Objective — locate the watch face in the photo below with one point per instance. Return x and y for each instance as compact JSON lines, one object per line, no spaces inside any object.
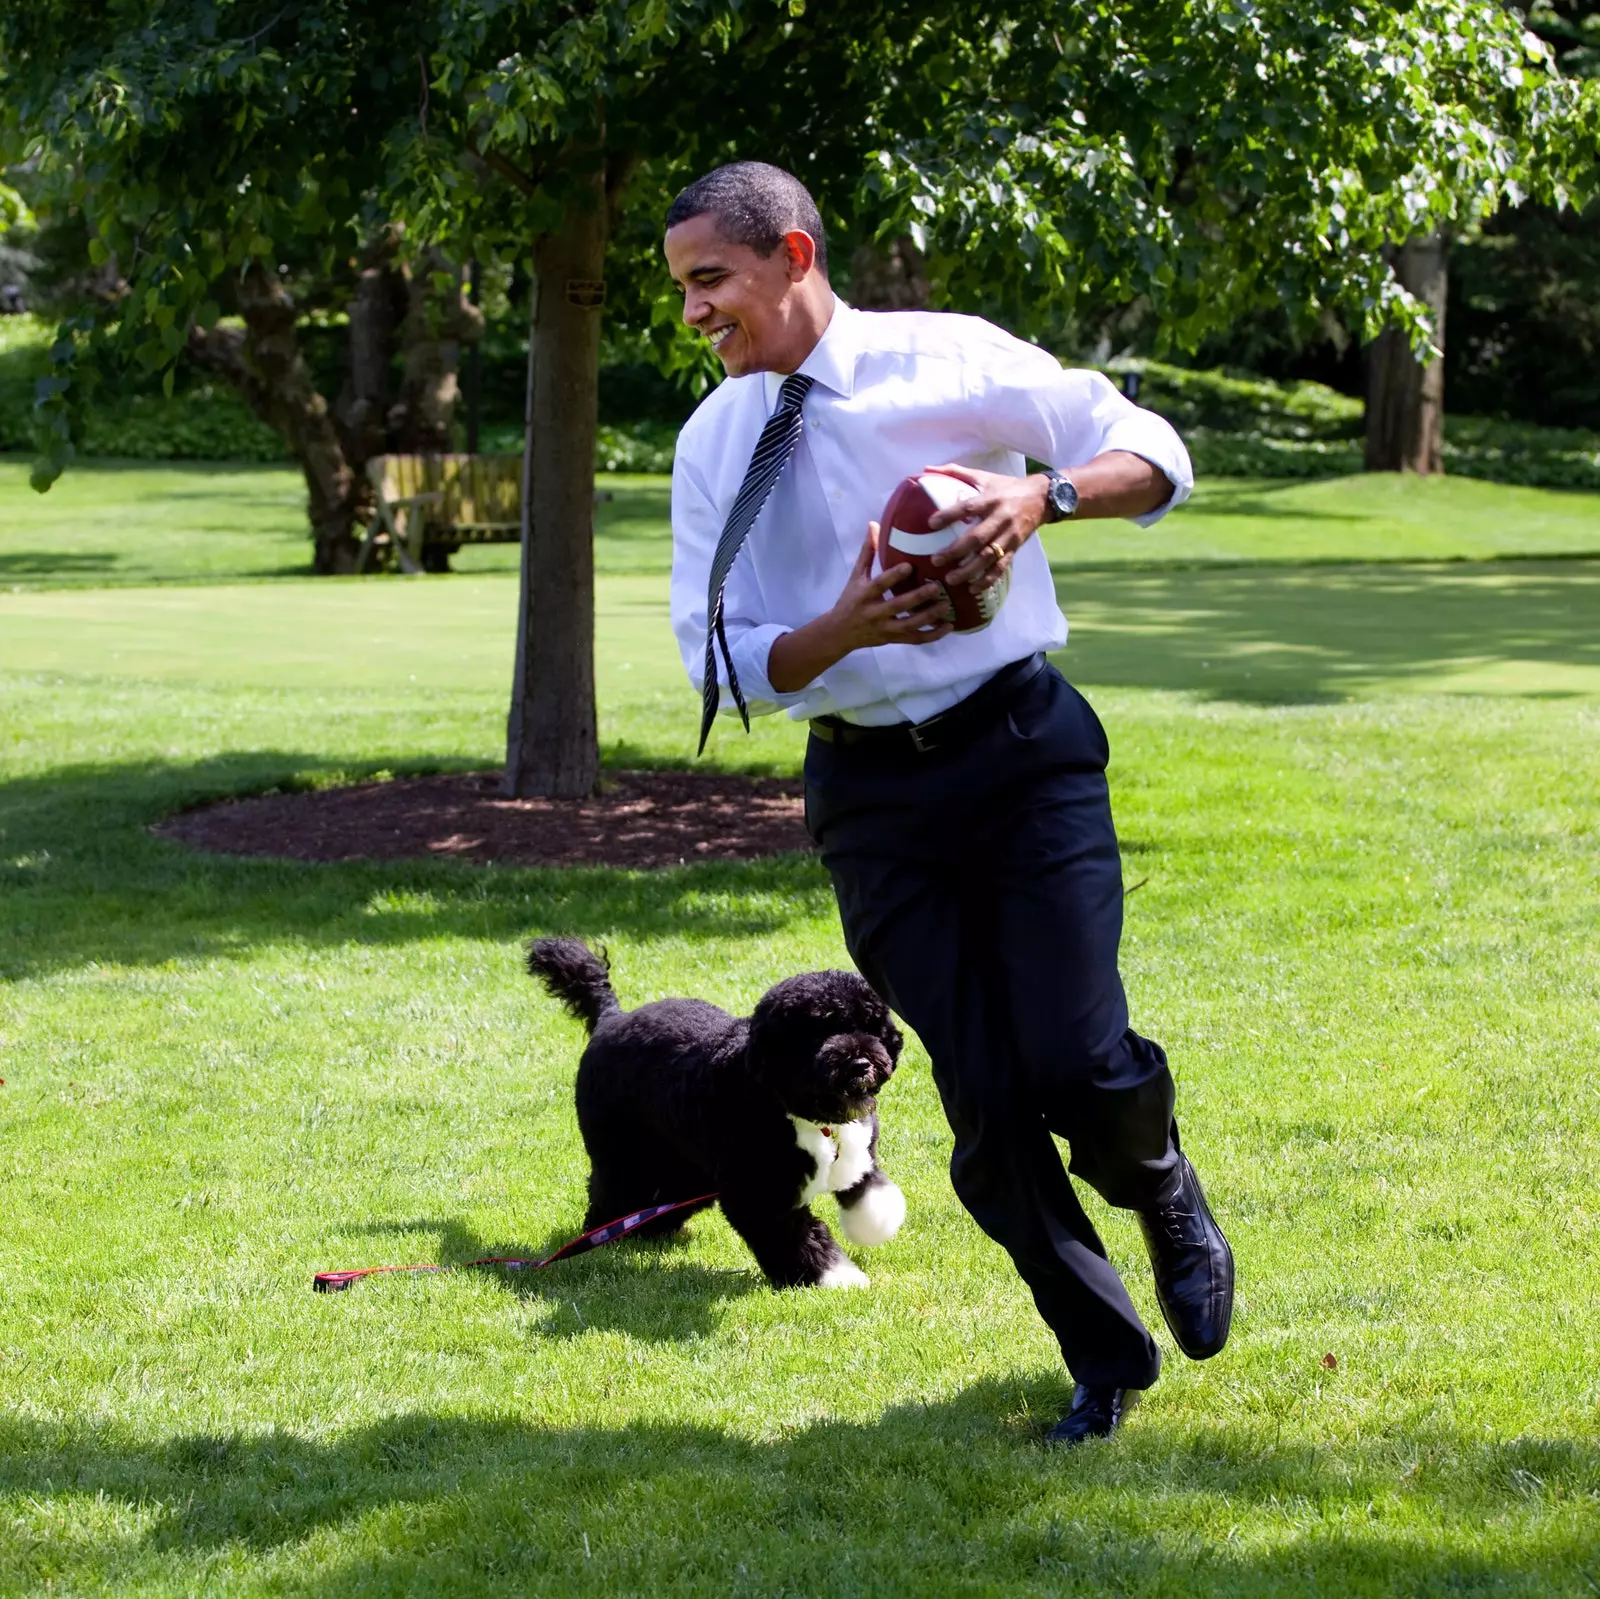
{"x":1063,"y":496}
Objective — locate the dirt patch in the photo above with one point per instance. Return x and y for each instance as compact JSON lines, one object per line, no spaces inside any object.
{"x":639,"y":819}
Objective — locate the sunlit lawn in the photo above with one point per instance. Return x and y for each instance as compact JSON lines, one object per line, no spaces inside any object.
{"x":1364,"y":804}
{"x":105,"y":523}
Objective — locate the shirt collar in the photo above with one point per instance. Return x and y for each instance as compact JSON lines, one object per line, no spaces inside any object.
{"x":832,"y":361}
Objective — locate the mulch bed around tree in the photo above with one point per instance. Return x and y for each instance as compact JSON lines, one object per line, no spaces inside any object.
{"x":639,"y":819}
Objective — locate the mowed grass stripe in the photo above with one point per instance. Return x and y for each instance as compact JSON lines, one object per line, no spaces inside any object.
{"x":118,"y":524}
{"x":1263,"y":635}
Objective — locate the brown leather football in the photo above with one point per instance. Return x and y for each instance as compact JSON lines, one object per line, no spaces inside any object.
{"x":904,"y":536}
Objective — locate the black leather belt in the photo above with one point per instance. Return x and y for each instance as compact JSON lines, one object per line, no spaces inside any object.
{"x":961,"y":723}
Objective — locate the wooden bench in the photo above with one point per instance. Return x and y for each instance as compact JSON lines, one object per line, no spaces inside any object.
{"x":427,"y":506}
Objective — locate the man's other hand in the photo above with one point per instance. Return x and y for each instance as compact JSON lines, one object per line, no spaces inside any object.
{"x":866,"y":614}
{"x":1008,"y":512}
{"x":861,"y":619}
{"x":1010,"y":509}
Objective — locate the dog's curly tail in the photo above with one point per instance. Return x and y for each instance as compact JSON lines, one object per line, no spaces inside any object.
{"x":577,"y":976}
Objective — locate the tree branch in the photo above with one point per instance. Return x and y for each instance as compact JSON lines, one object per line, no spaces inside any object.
{"x":509,"y":170}
{"x":267,"y":28}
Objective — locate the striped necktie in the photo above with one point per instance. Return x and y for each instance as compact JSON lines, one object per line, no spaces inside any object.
{"x":773,"y":449}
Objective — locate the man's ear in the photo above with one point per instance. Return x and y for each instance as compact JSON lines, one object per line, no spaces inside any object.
{"x":800,"y":250}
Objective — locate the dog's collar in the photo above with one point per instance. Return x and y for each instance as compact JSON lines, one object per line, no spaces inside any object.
{"x":840,"y":1153}
{"x":829,"y":1130}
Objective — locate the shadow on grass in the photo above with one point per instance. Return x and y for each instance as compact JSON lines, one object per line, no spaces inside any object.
{"x":1260,"y":499}
{"x":1284,"y":635}
{"x":49,"y":569}
{"x":16,"y":564}
{"x":640,"y":1287}
{"x":948,"y":1497}
{"x":82,"y":879}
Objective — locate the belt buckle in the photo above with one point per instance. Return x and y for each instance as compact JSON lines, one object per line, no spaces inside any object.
{"x":920,"y":741}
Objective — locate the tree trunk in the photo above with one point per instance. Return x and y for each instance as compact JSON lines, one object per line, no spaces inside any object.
{"x":552,"y":741}
{"x":1405,"y":400}
{"x":362,"y":408}
{"x":438,"y":322}
{"x":265,"y":364}
{"x":475,"y":361}
{"x":889,"y":277}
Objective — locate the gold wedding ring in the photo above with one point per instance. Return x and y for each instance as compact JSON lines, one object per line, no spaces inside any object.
{"x":995,"y":550}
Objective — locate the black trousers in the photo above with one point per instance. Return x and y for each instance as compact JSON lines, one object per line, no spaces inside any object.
{"x":980,"y":890}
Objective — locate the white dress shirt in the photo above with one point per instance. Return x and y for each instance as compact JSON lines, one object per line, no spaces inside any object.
{"x":894,"y":392}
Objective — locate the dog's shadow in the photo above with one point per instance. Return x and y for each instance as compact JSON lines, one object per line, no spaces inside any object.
{"x":641,"y":1287}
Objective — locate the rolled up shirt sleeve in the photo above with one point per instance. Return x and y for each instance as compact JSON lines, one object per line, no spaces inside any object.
{"x":1067,"y":416}
{"x":696,"y":528}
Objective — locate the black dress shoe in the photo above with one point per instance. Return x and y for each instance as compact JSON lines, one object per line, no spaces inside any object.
{"x":1193,"y":1267}
{"x":1096,"y":1412}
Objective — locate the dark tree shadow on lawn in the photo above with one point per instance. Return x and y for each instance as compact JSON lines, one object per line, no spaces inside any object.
{"x":1271,"y":635}
{"x":1260,"y":499}
{"x":949,"y":1497}
{"x":48,"y":569}
{"x":81,"y":878}
{"x":123,"y":465}
{"x":78,"y":835}
{"x":640,"y":1287}
{"x":21,"y":564}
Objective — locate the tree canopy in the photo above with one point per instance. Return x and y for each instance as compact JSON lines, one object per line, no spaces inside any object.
{"x":1214,"y":157}
{"x":1207,"y":157}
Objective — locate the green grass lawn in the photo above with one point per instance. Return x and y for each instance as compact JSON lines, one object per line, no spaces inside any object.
{"x":106,"y":524}
{"x":1364,"y":802}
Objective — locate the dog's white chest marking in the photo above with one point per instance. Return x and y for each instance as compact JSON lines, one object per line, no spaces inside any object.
{"x":842,"y":1153}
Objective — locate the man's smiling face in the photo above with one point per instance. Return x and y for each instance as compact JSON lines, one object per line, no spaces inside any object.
{"x":753,"y":308}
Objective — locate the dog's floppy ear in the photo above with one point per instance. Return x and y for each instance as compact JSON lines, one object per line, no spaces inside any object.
{"x":764,"y":1042}
{"x":879,"y":1017}
{"x":893,"y":1041}
{"x":791,"y":1018}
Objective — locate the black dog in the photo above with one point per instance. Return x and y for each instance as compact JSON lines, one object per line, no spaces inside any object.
{"x":679,"y":1099}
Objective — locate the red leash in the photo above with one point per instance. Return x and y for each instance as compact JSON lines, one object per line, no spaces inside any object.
{"x":333,"y":1282}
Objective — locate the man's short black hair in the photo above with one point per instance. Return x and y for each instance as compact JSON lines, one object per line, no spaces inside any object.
{"x":754,"y":204}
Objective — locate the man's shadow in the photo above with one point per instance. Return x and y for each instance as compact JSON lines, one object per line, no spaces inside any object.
{"x":954,"y":1495}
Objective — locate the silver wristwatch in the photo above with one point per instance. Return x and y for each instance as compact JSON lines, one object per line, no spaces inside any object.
{"x":1061,"y":498}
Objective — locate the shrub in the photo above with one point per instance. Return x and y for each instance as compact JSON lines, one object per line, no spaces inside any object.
{"x":208,"y":422}
{"x":1235,"y":424}
{"x":23,"y":343}
{"x":1238,"y":403}
{"x":203,"y":421}
{"x":621,"y":447}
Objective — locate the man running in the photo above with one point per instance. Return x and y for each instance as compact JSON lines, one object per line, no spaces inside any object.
{"x":955,"y":783}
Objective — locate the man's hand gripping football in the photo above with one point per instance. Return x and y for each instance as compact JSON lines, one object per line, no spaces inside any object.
{"x":864,"y":616}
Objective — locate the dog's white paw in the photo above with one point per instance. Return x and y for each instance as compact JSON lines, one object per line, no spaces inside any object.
{"x":876,"y":1217}
{"x":844,"y":1275}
